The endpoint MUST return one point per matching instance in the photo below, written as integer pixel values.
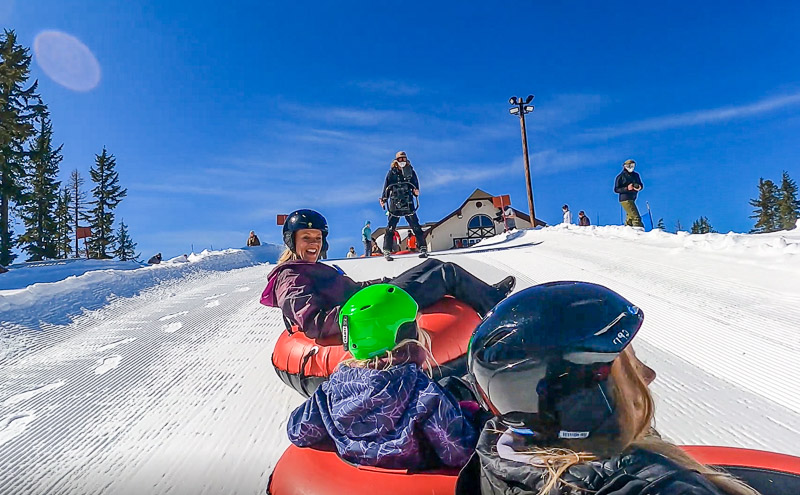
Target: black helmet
(541, 359)
(304, 219)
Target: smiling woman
(66, 60)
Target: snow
(158, 379)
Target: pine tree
(661, 225)
(788, 206)
(126, 248)
(766, 212)
(17, 111)
(78, 205)
(702, 226)
(63, 224)
(107, 195)
(41, 194)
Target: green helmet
(371, 318)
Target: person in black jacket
(627, 185)
(571, 404)
(399, 189)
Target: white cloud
(699, 117)
(387, 87)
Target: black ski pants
(413, 222)
(430, 281)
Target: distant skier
(352, 252)
(567, 215)
(253, 240)
(627, 185)
(155, 259)
(399, 189)
(366, 238)
(583, 220)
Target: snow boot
(505, 286)
(388, 256)
(423, 252)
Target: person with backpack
(627, 185)
(400, 188)
(382, 408)
(572, 409)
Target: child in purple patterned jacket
(381, 408)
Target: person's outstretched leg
(430, 281)
(388, 236)
(413, 222)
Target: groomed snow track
(172, 391)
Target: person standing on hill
(628, 185)
(583, 220)
(366, 238)
(352, 252)
(399, 189)
(253, 240)
(567, 215)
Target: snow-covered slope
(53, 292)
(168, 388)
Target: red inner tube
(735, 457)
(290, 476)
(449, 322)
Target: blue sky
(223, 114)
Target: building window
(480, 226)
(462, 242)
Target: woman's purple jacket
(310, 295)
(396, 418)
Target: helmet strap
(345, 332)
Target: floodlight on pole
(520, 107)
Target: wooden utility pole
(520, 108)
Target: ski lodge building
(468, 224)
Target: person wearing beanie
(399, 189)
(583, 220)
(627, 185)
(567, 215)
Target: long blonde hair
(287, 255)
(636, 410)
(393, 356)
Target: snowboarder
(310, 294)
(253, 240)
(627, 185)
(399, 190)
(567, 215)
(572, 406)
(583, 220)
(380, 408)
(366, 238)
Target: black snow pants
(430, 281)
(413, 222)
